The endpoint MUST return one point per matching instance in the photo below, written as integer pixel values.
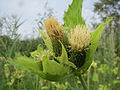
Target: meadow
(103, 74)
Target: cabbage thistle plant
(69, 48)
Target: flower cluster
(79, 38)
(78, 41)
(66, 53)
(54, 29)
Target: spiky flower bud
(79, 38)
(54, 29)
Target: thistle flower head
(54, 29)
(79, 38)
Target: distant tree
(9, 38)
(110, 8)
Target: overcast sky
(29, 10)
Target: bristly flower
(79, 38)
(53, 29)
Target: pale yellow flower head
(79, 38)
(53, 28)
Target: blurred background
(19, 23)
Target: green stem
(83, 82)
(88, 79)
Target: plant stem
(83, 82)
(88, 79)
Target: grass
(103, 75)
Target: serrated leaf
(38, 51)
(40, 48)
(26, 63)
(34, 54)
(73, 16)
(36, 67)
(53, 68)
(95, 37)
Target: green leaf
(48, 69)
(94, 43)
(73, 16)
(47, 41)
(38, 51)
(53, 68)
(26, 63)
(34, 54)
(40, 48)
(64, 57)
(95, 77)
(116, 81)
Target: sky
(29, 11)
